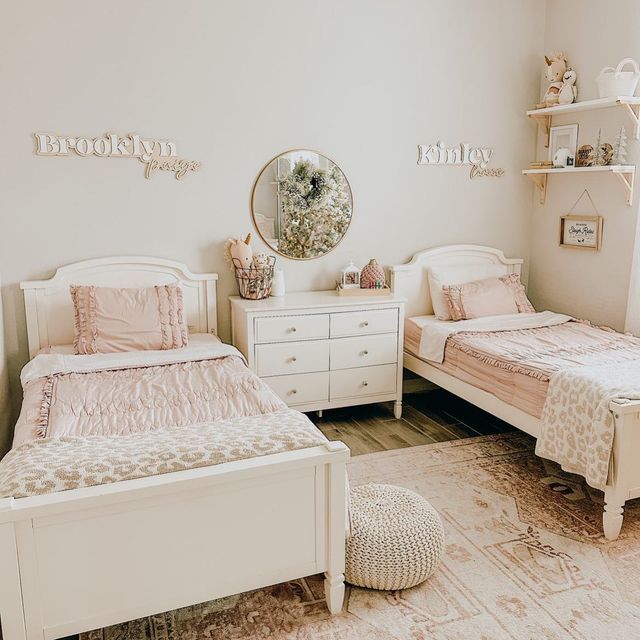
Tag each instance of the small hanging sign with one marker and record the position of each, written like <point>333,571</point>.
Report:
<point>581,232</point>
<point>462,154</point>
<point>157,155</point>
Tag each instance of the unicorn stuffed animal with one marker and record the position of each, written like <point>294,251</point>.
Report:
<point>556,68</point>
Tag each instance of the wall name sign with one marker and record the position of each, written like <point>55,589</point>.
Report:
<point>463,154</point>
<point>156,155</point>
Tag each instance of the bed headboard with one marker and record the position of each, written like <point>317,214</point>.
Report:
<point>49,309</point>
<point>410,280</point>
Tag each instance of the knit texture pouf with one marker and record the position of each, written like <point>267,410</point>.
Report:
<point>396,538</point>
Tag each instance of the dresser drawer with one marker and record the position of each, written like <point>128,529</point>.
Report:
<point>363,381</point>
<point>292,357</point>
<point>364,351</point>
<point>301,389</point>
<point>283,328</point>
<point>355,323</point>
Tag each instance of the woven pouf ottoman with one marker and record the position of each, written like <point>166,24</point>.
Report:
<point>396,538</point>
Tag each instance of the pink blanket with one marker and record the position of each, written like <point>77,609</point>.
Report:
<point>118,394</point>
<point>541,352</point>
<point>516,365</point>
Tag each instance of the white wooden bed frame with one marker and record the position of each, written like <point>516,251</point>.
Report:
<point>92,557</point>
<point>410,281</point>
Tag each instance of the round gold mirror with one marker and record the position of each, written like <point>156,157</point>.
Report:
<point>302,204</point>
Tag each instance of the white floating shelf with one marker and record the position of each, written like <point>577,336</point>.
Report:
<point>625,172</point>
<point>630,104</point>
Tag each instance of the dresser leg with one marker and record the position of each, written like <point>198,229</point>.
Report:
<point>320,413</point>
<point>397,409</point>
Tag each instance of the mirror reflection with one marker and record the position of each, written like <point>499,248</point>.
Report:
<point>302,204</point>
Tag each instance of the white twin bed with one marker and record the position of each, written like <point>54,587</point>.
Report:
<point>506,386</point>
<point>92,556</point>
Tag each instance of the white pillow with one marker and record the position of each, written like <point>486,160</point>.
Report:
<point>457,274</point>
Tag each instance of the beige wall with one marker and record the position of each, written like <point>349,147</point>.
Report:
<point>236,82</point>
<point>590,285</point>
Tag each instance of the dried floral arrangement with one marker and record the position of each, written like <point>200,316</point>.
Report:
<point>316,210</point>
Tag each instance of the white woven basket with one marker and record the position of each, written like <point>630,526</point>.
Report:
<point>616,82</point>
<point>396,541</point>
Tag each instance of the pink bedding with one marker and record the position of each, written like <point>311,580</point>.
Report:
<point>515,366</point>
<point>120,394</point>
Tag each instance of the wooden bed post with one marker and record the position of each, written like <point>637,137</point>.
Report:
<point>613,513</point>
<point>624,479</point>
<point>336,524</point>
<point>11,608</point>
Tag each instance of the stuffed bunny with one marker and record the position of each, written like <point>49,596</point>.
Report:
<point>569,91</point>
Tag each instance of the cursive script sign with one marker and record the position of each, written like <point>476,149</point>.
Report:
<point>157,155</point>
<point>463,154</point>
<point>581,231</point>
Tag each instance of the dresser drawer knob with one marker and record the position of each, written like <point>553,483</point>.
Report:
<point>292,330</point>
<point>365,353</point>
<point>293,392</point>
<point>292,359</point>
<point>364,323</point>
<point>365,383</point>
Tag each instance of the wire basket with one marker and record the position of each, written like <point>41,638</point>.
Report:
<point>254,283</point>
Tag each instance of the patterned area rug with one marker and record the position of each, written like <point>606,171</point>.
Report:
<point>525,560</point>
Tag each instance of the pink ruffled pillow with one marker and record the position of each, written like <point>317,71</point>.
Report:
<point>488,297</point>
<point>111,319</point>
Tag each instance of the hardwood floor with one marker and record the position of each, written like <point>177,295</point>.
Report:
<point>432,416</point>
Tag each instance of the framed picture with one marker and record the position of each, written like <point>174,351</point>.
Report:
<point>581,232</point>
<point>564,137</point>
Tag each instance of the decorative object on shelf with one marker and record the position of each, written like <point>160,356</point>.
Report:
<point>556,68</point>
<point>462,154</point>
<point>585,156</point>
<point>568,91</point>
<point>238,249</point>
<point>607,153</point>
<point>157,155</point>
<point>278,288</point>
<point>581,231</point>
<point>540,164</point>
<point>603,152</point>
<point>254,283</point>
<point>563,137</point>
<point>302,204</point>
<point>620,147</point>
<point>372,276</point>
<point>563,158</point>
<point>350,276</point>
<point>616,82</point>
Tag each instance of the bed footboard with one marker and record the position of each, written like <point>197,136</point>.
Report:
<point>624,477</point>
<point>92,557</point>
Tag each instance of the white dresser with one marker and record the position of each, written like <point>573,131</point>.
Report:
<point>318,350</point>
